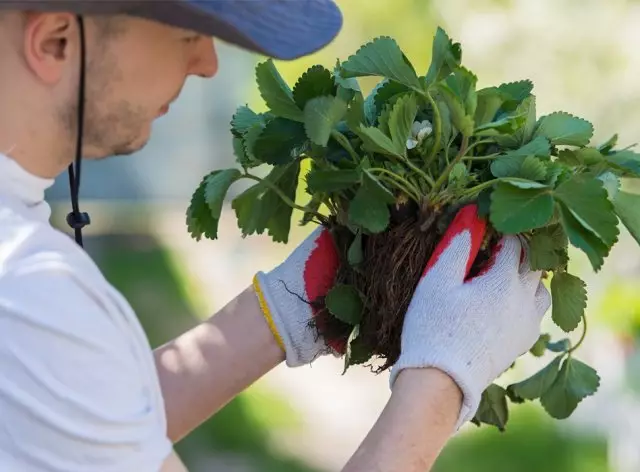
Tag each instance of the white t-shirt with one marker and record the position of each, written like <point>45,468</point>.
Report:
<point>79,391</point>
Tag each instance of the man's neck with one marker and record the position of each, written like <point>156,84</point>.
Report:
<point>34,152</point>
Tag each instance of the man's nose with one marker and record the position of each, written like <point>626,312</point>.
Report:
<point>205,63</point>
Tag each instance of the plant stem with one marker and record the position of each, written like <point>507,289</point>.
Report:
<point>584,334</point>
<point>344,142</point>
<point>404,184</point>
<point>488,157</point>
<point>438,128</point>
<point>478,188</point>
<point>445,174</point>
<point>419,171</point>
<point>478,143</point>
<point>281,194</point>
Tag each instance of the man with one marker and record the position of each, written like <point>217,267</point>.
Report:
<point>81,389</point>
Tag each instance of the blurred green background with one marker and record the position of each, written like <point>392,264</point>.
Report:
<point>582,56</point>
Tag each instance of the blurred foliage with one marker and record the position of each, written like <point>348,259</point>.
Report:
<point>144,273</point>
<point>532,443</point>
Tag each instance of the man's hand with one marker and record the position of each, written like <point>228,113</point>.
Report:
<point>287,294</point>
<point>459,335</point>
<point>472,329</point>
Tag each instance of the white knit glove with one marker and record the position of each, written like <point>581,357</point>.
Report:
<point>472,329</point>
<point>286,294</point>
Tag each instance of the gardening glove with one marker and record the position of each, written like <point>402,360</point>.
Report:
<point>472,328</point>
<point>287,293</point>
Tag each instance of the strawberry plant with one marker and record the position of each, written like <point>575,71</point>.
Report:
<point>388,171</point>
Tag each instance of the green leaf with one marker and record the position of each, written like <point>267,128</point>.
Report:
<point>401,119</point>
<point>204,211</point>
<point>445,57</point>
<point>374,140</point>
<point>458,174</point>
<point>355,254</point>
<point>548,248</point>
<point>241,154</point>
<point>445,116</point>
<point>589,156</point>
<point>627,207</point>
<point>344,302</point>
<point>200,222</point>
<point>574,382</point>
<point>386,93</point>
<point>381,57</point>
<point>489,101</point>
<point>217,186</point>
<point>463,84</point>
<point>280,142</point>
<point>370,206</point>
<point>569,296</point>
<point>527,109</point>
<point>249,142</point>
<point>609,144</point>
<point>563,128</point>
<point>461,120</point>
<point>243,119</point>
<point>355,116</point>
<point>510,164</point>
<point>493,408</point>
<point>555,171</point>
<point>484,203</point>
<point>524,183</point>
<point>356,351</point>
<point>588,202</point>
<point>348,83</point>
<point>321,114</point>
<point>275,92</point>
<point>370,107</point>
<point>582,238</point>
<point>383,118</point>
<point>532,168</point>
<point>536,385</point>
<point>515,210</point>
<point>260,208</point>
<point>315,82</point>
<point>627,161</point>
<point>516,91</point>
<point>332,180</point>
<point>540,346</point>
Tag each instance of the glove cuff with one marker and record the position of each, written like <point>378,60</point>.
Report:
<point>266,312</point>
<point>289,317</point>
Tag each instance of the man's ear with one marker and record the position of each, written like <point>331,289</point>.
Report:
<point>49,42</point>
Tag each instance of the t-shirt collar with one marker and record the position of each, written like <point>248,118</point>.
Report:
<point>28,189</point>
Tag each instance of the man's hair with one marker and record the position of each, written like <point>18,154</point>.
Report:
<point>110,26</point>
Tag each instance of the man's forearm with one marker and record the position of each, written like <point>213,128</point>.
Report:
<point>206,367</point>
<point>415,425</point>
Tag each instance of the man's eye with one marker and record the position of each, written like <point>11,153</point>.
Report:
<point>191,39</point>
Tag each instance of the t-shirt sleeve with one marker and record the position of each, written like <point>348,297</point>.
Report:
<point>72,397</point>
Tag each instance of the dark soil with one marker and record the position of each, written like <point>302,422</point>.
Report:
<point>393,264</point>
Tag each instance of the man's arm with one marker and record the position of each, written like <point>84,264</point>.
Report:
<point>206,367</point>
<point>415,425</point>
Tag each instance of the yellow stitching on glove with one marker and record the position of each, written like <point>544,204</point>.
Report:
<point>266,312</point>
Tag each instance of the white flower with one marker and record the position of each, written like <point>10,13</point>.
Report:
<point>419,131</point>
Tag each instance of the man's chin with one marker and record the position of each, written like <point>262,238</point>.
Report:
<point>122,149</point>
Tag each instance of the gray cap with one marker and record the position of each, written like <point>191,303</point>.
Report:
<point>282,29</point>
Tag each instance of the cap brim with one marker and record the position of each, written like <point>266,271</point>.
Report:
<point>282,29</point>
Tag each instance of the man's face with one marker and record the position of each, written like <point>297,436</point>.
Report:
<point>135,69</point>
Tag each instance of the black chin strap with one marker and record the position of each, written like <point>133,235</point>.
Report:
<point>76,219</point>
